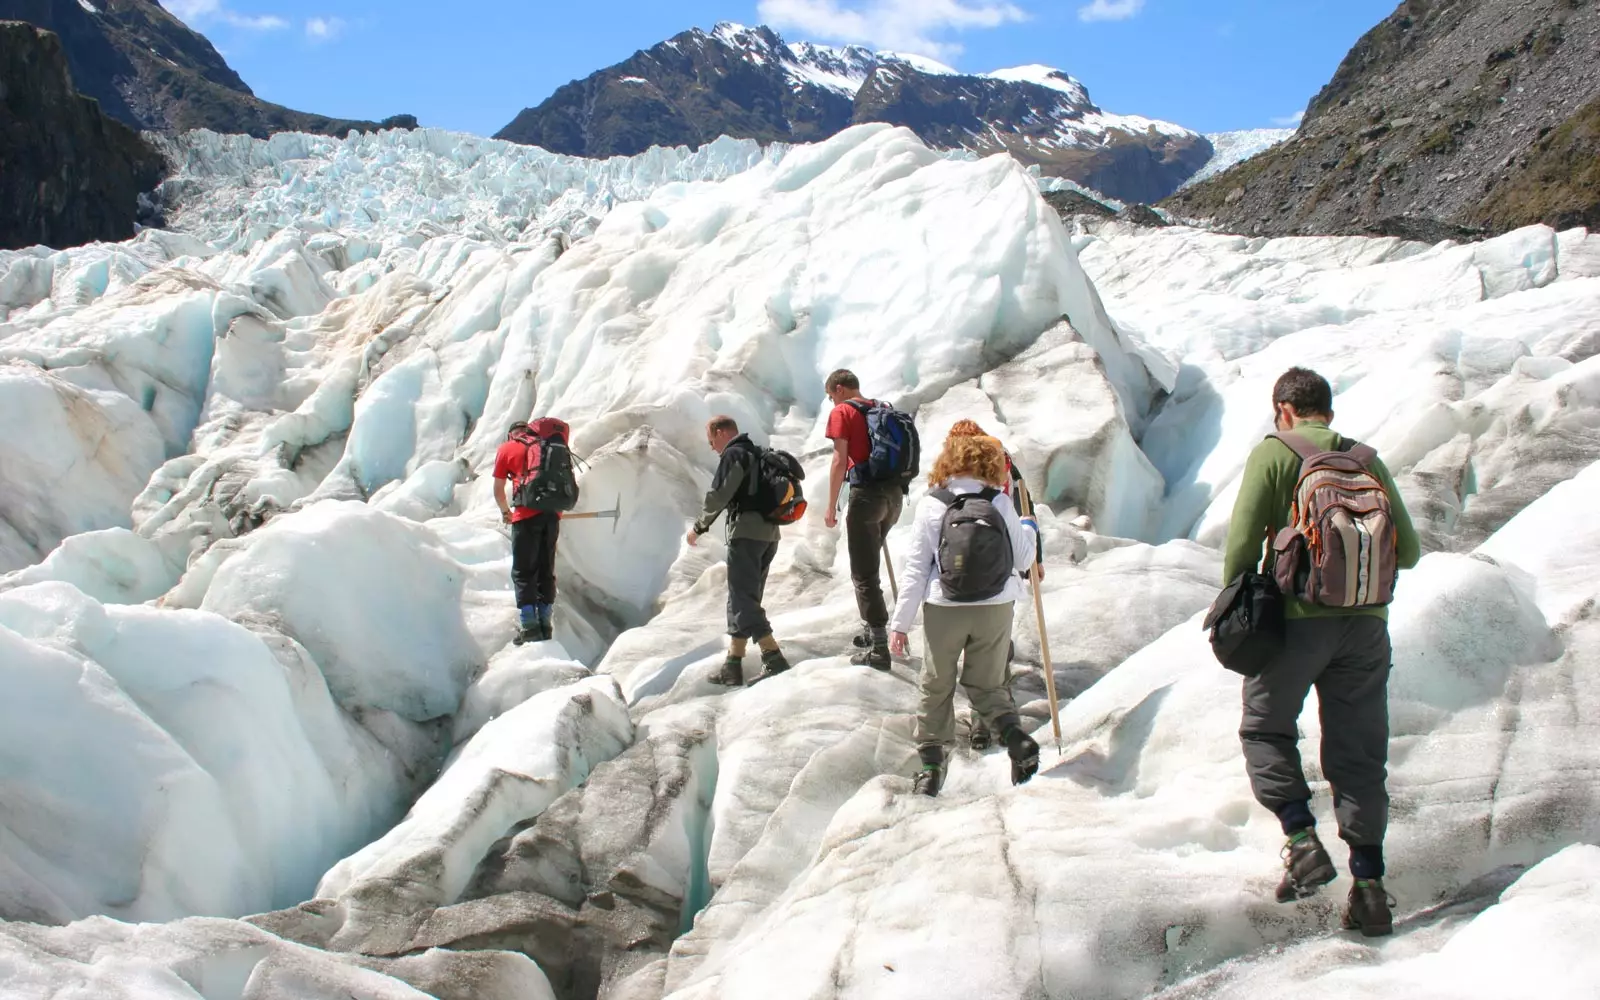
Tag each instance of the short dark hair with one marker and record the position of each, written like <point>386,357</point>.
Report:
<point>520,425</point>
<point>1306,391</point>
<point>721,423</point>
<point>843,378</point>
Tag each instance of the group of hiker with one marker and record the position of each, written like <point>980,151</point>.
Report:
<point>1307,609</point>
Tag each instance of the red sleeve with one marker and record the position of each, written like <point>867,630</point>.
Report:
<point>502,461</point>
<point>839,422</point>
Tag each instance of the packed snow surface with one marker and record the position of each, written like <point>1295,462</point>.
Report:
<point>265,733</point>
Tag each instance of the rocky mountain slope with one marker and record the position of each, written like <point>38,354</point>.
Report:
<point>750,83</point>
<point>1451,116</point>
<point>149,70</point>
<point>68,174</point>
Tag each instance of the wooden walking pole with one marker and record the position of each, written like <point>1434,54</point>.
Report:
<point>888,564</point>
<point>1044,638</point>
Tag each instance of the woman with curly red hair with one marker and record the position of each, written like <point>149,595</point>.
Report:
<point>968,545</point>
<point>1017,489</point>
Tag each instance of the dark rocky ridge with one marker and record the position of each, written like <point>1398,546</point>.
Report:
<point>1451,118</point>
<point>149,70</point>
<point>68,173</point>
<point>749,84</point>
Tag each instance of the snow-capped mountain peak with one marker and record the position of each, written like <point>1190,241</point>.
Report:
<point>1045,76</point>
<point>750,83</point>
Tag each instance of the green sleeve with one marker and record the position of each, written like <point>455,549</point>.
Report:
<point>718,499</point>
<point>1252,517</point>
<point>1408,547</point>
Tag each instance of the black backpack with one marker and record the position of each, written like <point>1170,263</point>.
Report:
<point>775,491</point>
<point>896,448</point>
<point>976,561</point>
<point>551,485</point>
<point>1246,623</point>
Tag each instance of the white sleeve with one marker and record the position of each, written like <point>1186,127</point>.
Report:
<point>1024,540</point>
<point>917,572</point>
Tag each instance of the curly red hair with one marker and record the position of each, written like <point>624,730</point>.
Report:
<point>981,458</point>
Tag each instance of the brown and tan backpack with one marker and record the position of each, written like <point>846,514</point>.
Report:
<point>1338,549</point>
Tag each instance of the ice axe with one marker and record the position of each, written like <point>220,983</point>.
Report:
<point>1044,639</point>
<point>615,514</point>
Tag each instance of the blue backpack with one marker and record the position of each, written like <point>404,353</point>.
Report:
<point>896,454</point>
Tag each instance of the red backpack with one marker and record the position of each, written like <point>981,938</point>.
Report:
<point>548,482</point>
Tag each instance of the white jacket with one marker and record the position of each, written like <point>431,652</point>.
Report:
<point>921,573</point>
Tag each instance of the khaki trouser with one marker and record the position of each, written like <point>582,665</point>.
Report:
<point>975,636</point>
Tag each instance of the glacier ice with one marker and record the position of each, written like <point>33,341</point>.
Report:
<point>255,605</point>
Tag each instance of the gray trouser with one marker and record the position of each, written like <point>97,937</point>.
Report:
<point>976,636</point>
<point>1347,660</point>
<point>749,561</point>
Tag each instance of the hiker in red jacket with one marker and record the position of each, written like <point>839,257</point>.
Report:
<point>536,461</point>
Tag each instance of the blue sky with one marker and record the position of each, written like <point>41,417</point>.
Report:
<point>471,65</point>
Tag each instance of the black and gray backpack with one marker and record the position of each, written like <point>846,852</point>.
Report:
<point>975,557</point>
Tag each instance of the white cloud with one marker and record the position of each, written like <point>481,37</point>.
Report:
<point>190,11</point>
<point>194,12</point>
<point>1290,121</point>
<point>911,26</point>
<point>1110,10</point>
<point>324,29</point>
<point>262,22</point>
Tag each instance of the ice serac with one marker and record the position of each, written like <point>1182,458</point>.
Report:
<point>1506,344</point>
<point>509,773</point>
<point>208,957</point>
<point>168,763</point>
<point>74,457</point>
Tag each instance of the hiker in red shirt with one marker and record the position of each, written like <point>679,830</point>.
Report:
<point>873,509</point>
<point>534,458</point>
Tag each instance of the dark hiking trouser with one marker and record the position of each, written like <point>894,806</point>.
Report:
<point>871,512</point>
<point>533,559</point>
<point>1347,659</point>
<point>749,560</point>
<point>966,642</point>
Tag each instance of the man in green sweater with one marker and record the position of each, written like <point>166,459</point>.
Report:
<point>752,544</point>
<point>1343,652</point>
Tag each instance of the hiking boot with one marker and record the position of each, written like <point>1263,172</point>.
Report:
<point>1024,753</point>
<point>772,664</point>
<point>981,738</point>
<point>546,627</point>
<point>528,628</point>
<point>876,657</point>
<point>732,674</point>
<point>1306,867</point>
<point>1370,909</point>
<point>863,638</point>
<point>931,778</point>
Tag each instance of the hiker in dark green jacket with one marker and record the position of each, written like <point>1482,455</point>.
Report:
<point>1343,652</point>
<point>752,545</point>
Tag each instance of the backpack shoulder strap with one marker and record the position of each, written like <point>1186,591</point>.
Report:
<point>943,496</point>
<point>1297,443</point>
<point>988,494</point>
<point>1363,453</point>
<point>861,406</point>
